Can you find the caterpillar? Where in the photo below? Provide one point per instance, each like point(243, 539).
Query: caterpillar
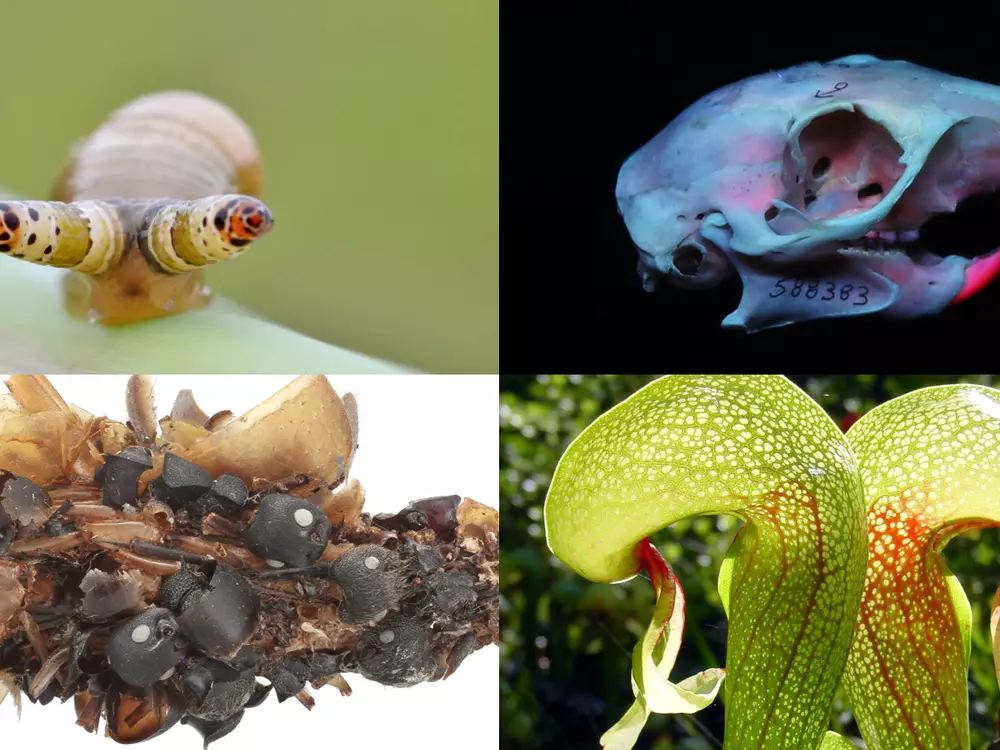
point(165, 186)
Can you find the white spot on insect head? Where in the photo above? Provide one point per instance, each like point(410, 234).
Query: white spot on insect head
point(387, 636)
point(141, 633)
point(371, 562)
point(168, 674)
point(276, 563)
point(303, 517)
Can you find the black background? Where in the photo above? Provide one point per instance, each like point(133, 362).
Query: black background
point(587, 85)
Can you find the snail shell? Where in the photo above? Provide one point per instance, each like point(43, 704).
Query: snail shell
point(172, 144)
point(166, 185)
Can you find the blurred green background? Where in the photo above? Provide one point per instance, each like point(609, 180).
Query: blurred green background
point(379, 128)
point(566, 643)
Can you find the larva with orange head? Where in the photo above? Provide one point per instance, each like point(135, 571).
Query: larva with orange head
point(165, 186)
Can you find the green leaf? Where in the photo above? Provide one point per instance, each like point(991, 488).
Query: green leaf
point(834, 741)
point(930, 464)
point(726, 571)
point(758, 448)
point(38, 335)
point(624, 734)
point(960, 603)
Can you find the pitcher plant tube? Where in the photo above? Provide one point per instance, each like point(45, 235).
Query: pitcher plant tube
point(836, 573)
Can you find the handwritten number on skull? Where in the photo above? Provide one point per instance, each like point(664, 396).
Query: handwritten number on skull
point(829, 294)
point(839, 86)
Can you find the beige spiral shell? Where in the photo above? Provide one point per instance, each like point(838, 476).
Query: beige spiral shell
point(166, 185)
point(172, 144)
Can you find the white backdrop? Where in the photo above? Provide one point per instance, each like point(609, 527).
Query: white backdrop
point(420, 435)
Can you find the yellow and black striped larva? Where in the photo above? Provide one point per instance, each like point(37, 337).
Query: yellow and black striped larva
point(165, 186)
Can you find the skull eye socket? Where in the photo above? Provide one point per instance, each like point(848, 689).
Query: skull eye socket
point(687, 260)
point(848, 163)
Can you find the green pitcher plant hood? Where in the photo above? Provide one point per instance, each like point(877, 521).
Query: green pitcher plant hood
point(930, 466)
point(836, 572)
point(756, 447)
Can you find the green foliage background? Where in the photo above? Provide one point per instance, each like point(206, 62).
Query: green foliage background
point(566, 643)
point(379, 127)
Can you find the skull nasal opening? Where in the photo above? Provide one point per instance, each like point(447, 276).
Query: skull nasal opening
point(847, 163)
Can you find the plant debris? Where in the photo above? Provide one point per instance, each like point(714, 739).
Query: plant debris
point(152, 571)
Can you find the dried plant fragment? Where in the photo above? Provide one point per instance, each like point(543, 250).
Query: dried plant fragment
point(11, 597)
point(186, 409)
point(141, 407)
point(302, 429)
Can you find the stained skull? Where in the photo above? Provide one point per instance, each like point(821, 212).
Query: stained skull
point(852, 187)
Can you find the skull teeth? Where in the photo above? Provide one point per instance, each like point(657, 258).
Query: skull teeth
point(879, 241)
point(906, 236)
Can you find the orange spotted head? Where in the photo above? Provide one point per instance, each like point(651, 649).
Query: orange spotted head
point(178, 237)
point(242, 220)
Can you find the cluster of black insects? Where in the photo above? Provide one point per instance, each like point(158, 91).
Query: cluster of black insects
point(411, 603)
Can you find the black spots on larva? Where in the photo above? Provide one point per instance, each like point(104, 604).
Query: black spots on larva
point(204, 221)
point(220, 219)
point(4, 236)
point(11, 220)
point(33, 214)
point(48, 250)
point(232, 204)
point(58, 230)
point(4, 207)
point(4, 248)
point(32, 238)
point(237, 242)
point(249, 210)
